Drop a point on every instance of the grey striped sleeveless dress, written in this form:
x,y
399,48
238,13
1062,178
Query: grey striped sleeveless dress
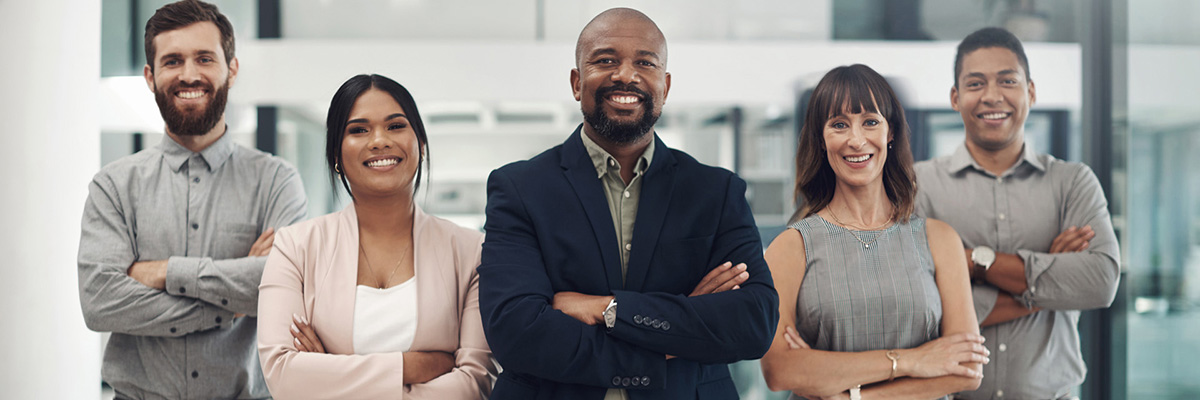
x,y
858,298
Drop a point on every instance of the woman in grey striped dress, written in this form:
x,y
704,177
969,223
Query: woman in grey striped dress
x,y
883,297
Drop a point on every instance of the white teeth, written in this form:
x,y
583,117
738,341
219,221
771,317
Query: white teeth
x,y
624,99
859,158
382,163
190,95
995,116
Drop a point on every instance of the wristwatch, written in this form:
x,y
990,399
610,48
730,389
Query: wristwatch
x,y
982,257
610,314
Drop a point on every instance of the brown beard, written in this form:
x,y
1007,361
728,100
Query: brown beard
x,y
191,123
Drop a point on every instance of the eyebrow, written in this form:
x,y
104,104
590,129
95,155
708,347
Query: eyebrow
x,y
1002,72
180,55
364,120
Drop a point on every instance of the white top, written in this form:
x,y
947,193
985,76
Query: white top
x,y
385,320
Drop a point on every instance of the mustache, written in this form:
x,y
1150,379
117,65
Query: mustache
x,y
194,85
623,87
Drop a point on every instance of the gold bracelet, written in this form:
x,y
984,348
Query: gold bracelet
x,y
892,355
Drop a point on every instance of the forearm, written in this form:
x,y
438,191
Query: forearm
x,y
472,378
294,374
714,328
818,373
1070,281
1006,309
114,302
229,284
1007,273
921,388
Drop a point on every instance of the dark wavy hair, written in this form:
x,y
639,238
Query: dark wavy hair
x,y
852,89
180,14
990,37
339,114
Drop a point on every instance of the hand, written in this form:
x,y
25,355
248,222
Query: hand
x,y
723,277
423,366
793,339
304,337
262,246
942,356
150,273
1073,240
585,308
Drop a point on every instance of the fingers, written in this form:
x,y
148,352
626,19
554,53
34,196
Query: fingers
x,y
305,335
709,282
965,371
793,339
736,276
262,246
1073,239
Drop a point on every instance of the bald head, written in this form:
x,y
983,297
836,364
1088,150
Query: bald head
x,y
618,21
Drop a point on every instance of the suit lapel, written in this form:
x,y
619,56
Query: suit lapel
x,y
657,187
581,174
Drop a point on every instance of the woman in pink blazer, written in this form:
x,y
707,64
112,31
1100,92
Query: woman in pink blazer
x,y
378,300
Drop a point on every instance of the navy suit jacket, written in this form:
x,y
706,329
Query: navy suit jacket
x,y
549,230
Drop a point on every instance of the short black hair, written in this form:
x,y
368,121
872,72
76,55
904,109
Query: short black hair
x,y
182,13
339,114
990,37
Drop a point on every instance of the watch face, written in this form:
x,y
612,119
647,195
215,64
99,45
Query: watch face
x,y
983,256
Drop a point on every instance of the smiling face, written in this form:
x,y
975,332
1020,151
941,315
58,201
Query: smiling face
x,y
191,78
621,80
856,146
993,96
380,150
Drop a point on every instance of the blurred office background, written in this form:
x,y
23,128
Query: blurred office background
x,y
1117,88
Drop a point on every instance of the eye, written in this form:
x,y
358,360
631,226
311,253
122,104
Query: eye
x,y
646,63
605,61
839,125
356,129
974,84
207,60
397,126
1008,82
170,62
871,122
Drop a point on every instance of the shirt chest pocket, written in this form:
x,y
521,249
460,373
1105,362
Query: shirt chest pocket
x,y
233,240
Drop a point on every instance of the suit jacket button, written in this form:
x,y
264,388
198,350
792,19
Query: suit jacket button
x,y
625,382
616,381
657,324
666,326
637,319
645,381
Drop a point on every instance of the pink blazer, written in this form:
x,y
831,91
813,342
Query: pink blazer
x,y
313,271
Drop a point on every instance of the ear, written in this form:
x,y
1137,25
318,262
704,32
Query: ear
x,y
233,70
149,77
667,88
1032,94
575,88
954,97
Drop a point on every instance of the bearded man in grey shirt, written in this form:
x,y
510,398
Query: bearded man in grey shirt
x,y
1036,229
174,237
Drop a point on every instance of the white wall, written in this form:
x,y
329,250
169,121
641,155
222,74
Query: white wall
x,y
49,150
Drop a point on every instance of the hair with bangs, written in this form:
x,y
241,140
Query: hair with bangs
x,y
852,89
339,116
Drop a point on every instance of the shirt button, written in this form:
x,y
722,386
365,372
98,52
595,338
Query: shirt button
x,y
999,179
1001,216
1003,347
182,289
196,180
195,374
218,320
195,226
999,393
172,330
612,162
224,302
628,246
627,194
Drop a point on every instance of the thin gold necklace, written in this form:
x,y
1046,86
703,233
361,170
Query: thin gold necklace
x,y
382,285
866,244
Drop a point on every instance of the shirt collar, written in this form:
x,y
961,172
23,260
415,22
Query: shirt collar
x,y
214,155
604,161
961,159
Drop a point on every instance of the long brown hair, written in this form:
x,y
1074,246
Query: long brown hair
x,y
855,89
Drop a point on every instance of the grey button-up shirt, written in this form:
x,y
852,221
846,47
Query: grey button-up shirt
x,y
202,212
1021,212
622,206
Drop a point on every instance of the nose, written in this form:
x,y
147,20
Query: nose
x,y
858,138
379,140
190,73
992,95
626,73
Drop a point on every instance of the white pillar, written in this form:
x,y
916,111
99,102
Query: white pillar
x,y
49,150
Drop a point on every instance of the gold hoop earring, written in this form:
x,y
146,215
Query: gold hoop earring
x,y
337,168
